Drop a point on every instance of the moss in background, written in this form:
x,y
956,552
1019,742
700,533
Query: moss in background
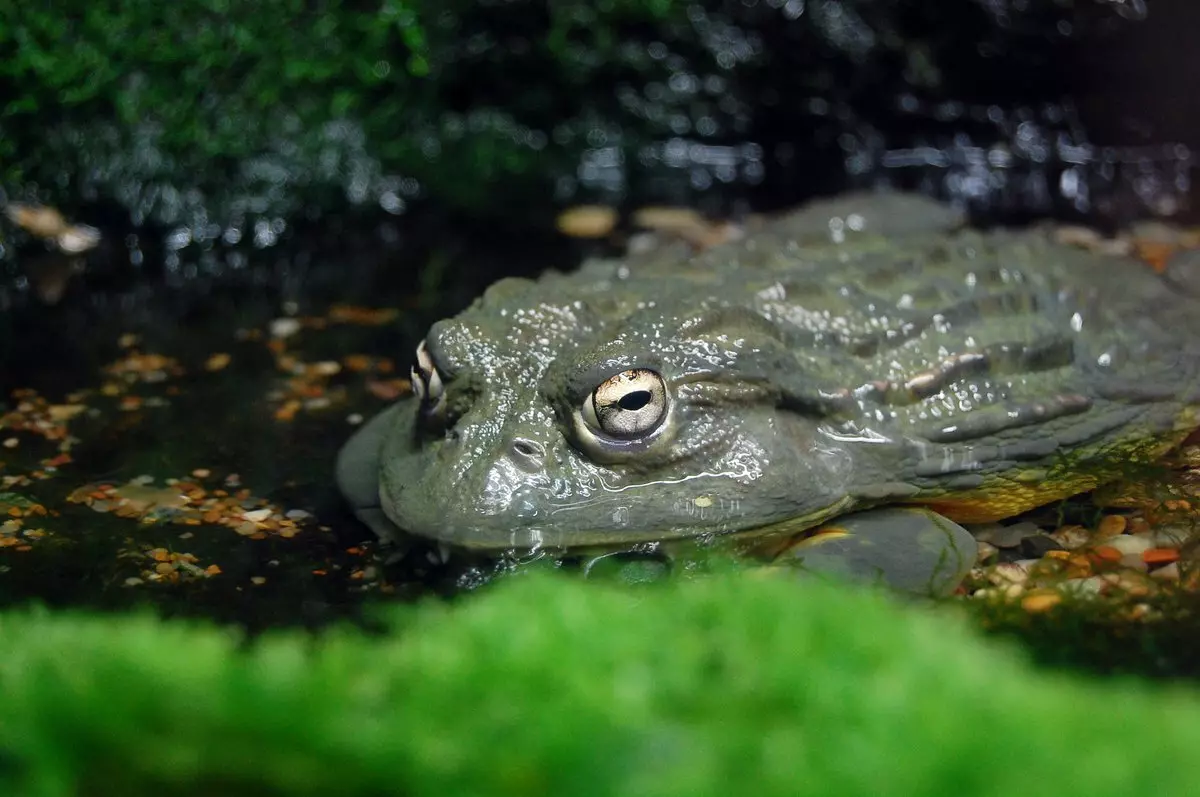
x,y
727,685
211,110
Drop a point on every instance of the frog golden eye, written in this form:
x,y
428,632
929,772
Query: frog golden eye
x,y
631,404
426,381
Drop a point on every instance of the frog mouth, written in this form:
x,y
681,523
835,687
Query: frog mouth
x,y
492,541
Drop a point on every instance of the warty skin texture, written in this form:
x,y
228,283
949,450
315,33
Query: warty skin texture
x,y
861,351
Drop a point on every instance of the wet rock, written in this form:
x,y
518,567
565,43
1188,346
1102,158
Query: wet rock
x,y
1038,545
1004,536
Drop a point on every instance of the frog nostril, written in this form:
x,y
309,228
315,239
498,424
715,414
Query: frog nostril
x,y
527,448
527,453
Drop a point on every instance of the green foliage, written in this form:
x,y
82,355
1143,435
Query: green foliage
x,y
130,98
542,686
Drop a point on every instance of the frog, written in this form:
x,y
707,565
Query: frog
x,y
842,389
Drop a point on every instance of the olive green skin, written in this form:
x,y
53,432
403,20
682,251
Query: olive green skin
x,y
861,351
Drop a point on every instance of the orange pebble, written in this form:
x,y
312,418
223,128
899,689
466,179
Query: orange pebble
x,y
1160,556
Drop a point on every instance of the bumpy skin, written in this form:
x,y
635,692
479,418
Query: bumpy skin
x,y
858,352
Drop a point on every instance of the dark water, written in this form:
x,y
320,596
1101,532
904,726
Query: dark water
x,y
242,419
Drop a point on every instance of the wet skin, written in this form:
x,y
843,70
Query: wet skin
x,y
860,352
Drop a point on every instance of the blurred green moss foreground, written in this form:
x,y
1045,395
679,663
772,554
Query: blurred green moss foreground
x,y
730,685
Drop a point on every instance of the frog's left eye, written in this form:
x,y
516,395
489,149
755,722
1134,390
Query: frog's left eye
x,y
631,404
427,382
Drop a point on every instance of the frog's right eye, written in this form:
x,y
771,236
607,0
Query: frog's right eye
x,y
427,382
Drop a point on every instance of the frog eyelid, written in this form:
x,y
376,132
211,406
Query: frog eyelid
x,y
427,383
583,383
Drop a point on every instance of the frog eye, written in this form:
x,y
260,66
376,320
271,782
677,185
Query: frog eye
x,y
427,382
631,404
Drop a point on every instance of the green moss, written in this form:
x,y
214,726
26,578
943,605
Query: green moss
x,y
543,686
241,103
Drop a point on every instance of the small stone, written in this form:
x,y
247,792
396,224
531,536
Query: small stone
x,y
1160,556
1168,572
217,362
297,514
986,552
1003,536
1009,573
354,419
587,221
11,442
1105,554
247,528
1134,561
1089,585
1037,545
1040,600
201,473
64,412
1134,585
284,327
258,581
1171,536
327,367
1129,544
1071,537
257,515
133,581
1110,526
1139,525
162,568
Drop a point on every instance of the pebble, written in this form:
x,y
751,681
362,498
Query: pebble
x,y
327,367
354,419
1035,546
1009,573
1129,544
284,327
587,221
1091,585
217,362
1160,556
257,515
1133,584
1041,600
1168,572
985,552
1134,561
1071,537
1111,526
297,514
258,581
1003,536
1170,536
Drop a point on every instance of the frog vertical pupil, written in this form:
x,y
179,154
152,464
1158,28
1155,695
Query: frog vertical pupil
x,y
634,400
